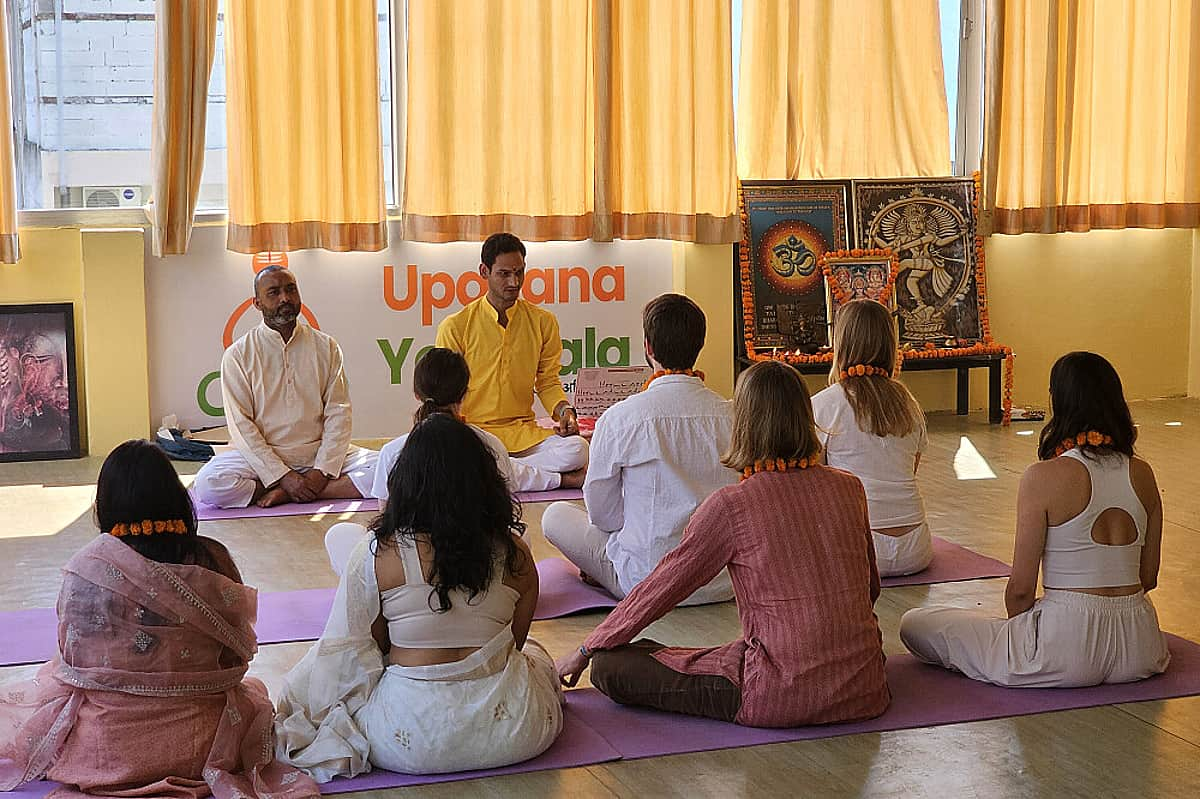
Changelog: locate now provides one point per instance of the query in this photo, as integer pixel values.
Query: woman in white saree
(425, 665)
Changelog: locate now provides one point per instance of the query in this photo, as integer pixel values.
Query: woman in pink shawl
(148, 696)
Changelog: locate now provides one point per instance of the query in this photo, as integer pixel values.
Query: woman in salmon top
(798, 545)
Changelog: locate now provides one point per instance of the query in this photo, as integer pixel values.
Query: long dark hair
(446, 485)
(440, 379)
(137, 483)
(1086, 395)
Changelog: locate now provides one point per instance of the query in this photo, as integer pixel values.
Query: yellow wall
(101, 273)
(1126, 294)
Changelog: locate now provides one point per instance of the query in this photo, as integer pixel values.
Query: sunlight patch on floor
(36, 511)
(969, 464)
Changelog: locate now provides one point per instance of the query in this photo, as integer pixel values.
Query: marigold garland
(781, 465)
(148, 527)
(835, 287)
(1092, 438)
(863, 370)
(665, 372)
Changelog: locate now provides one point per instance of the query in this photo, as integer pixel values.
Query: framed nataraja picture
(39, 398)
(930, 223)
(786, 227)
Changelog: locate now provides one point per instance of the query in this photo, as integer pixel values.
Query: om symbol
(793, 257)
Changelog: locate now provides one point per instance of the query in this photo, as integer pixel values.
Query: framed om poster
(929, 223)
(787, 226)
(39, 405)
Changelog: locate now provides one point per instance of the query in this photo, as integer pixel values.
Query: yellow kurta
(508, 365)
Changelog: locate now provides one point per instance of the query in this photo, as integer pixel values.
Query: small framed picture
(859, 274)
(39, 397)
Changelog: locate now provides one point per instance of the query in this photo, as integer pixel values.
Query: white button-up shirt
(655, 457)
(287, 405)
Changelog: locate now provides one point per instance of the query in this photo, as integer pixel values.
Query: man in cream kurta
(514, 350)
(287, 406)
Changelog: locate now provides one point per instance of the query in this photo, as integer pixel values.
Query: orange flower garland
(148, 527)
(1092, 438)
(835, 287)
(781, 465)
(664, 372)
(862, 370)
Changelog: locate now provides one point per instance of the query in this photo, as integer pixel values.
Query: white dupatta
(314, 721)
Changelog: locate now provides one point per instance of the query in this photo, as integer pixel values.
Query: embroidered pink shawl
(148, 696)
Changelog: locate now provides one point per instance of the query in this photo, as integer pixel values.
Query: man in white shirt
(654, 458)
(287, 406)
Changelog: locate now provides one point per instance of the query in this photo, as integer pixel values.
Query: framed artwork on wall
(39, 397)
(787, 226)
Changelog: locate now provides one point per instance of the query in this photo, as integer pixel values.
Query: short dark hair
(266, 270)
(440, 379)
(498, 244)
(675, 326)
(1086, 395)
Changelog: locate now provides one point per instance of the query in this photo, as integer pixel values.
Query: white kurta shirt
(655, 457)
(391, 451)
(287, 405)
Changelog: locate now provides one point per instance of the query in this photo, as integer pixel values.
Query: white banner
(383, 309)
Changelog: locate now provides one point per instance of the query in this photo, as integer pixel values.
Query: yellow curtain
(305, 146)
(499, 120)
(1093, 114)
(841, 88)
(569, 119)
(185, 43)
(10, 253)
(667, 124)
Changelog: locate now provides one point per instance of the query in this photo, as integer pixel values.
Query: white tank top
(1071, 558)
(413, 624)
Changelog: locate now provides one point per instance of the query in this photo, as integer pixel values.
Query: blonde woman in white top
(872, 427)
(1089, 517)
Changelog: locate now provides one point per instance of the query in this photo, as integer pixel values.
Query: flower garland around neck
(863, 370)
(148, 527)
(781, 464)
(665, 372)
(1092, 437)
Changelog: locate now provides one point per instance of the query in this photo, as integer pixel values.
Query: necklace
(781, 465)
(1092, 437)
(664, 372)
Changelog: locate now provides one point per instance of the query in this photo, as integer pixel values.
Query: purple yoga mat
(562, 593)
(206, 513)
(951, 563)
(922, 696)
(550, 496)
(578, 745)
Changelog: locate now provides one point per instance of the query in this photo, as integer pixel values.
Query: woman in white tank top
(425, 665)
(871, 426)
(1089, 517)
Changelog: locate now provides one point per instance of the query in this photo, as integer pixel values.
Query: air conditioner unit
(112, 196)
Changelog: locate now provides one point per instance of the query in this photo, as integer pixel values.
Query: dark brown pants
(630, 675)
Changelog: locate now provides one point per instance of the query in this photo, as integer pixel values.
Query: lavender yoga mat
(922, 696)
(578, 745)
(550, 496)
(952, 563)
(368, 505)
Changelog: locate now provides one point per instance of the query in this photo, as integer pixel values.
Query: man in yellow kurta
(287, 406)
(514, 351)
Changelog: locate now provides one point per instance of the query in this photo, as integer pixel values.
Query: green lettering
(202, 395)
(621, 345)
(395, 360)
(589, 346)
(575, 348)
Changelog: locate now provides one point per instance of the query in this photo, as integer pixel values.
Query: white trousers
(1067, 639)
(897, 555)
(566, 526)
(556, 454)
(228, 480)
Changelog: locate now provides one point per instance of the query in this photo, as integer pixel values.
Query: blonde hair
(772, 417)
(864, 334)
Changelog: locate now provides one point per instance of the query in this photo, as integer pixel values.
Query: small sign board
(599, 388)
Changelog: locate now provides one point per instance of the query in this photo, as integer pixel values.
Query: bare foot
(587, 580)
(573, 479)
(269, 499)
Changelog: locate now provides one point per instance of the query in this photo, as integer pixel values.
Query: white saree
(342, 712)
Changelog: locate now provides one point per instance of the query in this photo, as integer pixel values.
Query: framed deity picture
(859, 275)
(930, 225)
(39, 398)
(786, 227)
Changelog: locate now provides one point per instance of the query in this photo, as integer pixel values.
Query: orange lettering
(546, 295)
(465, 281)
(389, 288)
(617, 292)
(564, 283)
(429, 301)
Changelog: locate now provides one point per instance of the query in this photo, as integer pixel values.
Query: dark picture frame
(39, 388)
